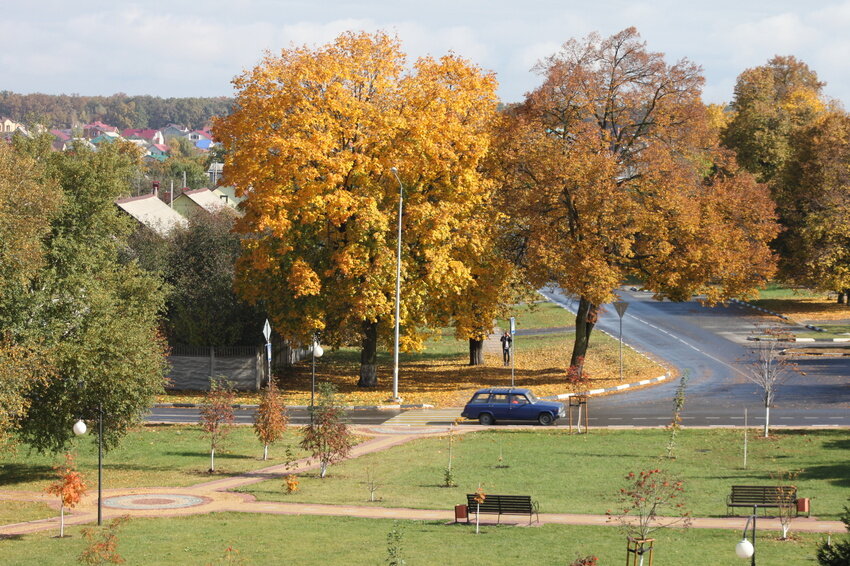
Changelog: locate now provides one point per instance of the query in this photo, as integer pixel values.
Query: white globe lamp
(80, 427)
(744, 549)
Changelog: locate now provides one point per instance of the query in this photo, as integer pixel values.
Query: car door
(500, 406)
(521, 408)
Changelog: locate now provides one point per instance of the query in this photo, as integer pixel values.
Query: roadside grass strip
(286, 539)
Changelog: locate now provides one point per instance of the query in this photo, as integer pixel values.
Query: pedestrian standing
(506, 341)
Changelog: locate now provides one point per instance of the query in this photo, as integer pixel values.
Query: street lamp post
(316, 351)
(621, 307)
(80, 429)
(745, 548)
(397, 283)
(267, 334)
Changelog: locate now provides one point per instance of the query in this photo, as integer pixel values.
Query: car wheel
(545, 419)
(486, 419)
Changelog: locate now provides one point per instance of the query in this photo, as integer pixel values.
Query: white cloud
(169, 48)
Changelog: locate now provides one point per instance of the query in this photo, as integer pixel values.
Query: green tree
(836, 553)
(96, 316)
(813, 197)
(771, 102)
(203, 309)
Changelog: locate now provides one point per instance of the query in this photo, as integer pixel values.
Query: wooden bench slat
(761, 496)
(502, 505)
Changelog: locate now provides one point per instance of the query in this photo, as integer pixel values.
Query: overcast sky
(194, 48)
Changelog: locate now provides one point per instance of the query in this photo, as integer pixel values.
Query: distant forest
(120, 110)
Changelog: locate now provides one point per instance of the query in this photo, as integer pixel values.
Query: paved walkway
(217, 496)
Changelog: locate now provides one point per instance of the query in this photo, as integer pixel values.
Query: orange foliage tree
(70, 488)
(311, 143)
(102, 545)
(611, 168)
(217, 416)
(271, 419)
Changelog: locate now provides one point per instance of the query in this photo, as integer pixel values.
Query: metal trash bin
(461, 512)
(803, 506)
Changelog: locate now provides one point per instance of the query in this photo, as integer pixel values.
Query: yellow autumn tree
(611, 168)
(311, 143)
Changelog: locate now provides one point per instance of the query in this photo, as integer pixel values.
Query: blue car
(511, 404)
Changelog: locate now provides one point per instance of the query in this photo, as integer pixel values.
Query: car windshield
(531, 397)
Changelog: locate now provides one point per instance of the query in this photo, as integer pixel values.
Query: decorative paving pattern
(153, 501)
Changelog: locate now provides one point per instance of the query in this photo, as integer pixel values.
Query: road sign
(621, 307)
(513, 325)
(267, 330)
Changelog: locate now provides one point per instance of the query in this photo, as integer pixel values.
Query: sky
(190, 48)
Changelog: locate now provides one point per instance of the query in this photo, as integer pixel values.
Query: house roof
(205, 198)
(64, 136)
(101, 126)
(162, 147)
(152, 212)
(135, 133)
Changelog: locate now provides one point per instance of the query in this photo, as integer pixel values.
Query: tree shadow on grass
(18, 473)
(836, 474)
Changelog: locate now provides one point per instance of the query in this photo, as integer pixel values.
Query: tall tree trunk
(585, 321)
(841, 298)
(766, 420)
(476, 352)
(369, 356)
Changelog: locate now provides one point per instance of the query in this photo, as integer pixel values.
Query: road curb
(614, 389)
(784, 317)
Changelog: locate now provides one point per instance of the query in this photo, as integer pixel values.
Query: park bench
(503, 505)
(761, 496)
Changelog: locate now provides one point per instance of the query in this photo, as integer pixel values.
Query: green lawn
(167, 455)
(776, 290)
(543, 314)
(582, 473)
(21, 511)
(270, 539)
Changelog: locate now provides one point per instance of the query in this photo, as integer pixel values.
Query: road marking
(568, 305)
(712, 418)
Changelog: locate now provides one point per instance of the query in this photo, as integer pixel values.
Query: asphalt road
(709, 343)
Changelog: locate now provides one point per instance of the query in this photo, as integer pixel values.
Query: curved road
(711, 344)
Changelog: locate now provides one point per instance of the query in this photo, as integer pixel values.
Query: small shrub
(101, 547)
(291, 483)
(449, 477)
(395, 546)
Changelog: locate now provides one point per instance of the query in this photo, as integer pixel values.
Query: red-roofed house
(198, 135)
(150, 136)
(96, 129)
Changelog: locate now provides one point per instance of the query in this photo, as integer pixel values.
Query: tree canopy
(611, 168)
(91, 321)
(311, 143)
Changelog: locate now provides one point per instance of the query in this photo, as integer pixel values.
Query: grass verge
(152, 456)
(582, 473)
(270, 539)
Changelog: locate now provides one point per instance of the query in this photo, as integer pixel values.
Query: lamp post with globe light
(745, 548)
(316, 351)
(80, 429)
